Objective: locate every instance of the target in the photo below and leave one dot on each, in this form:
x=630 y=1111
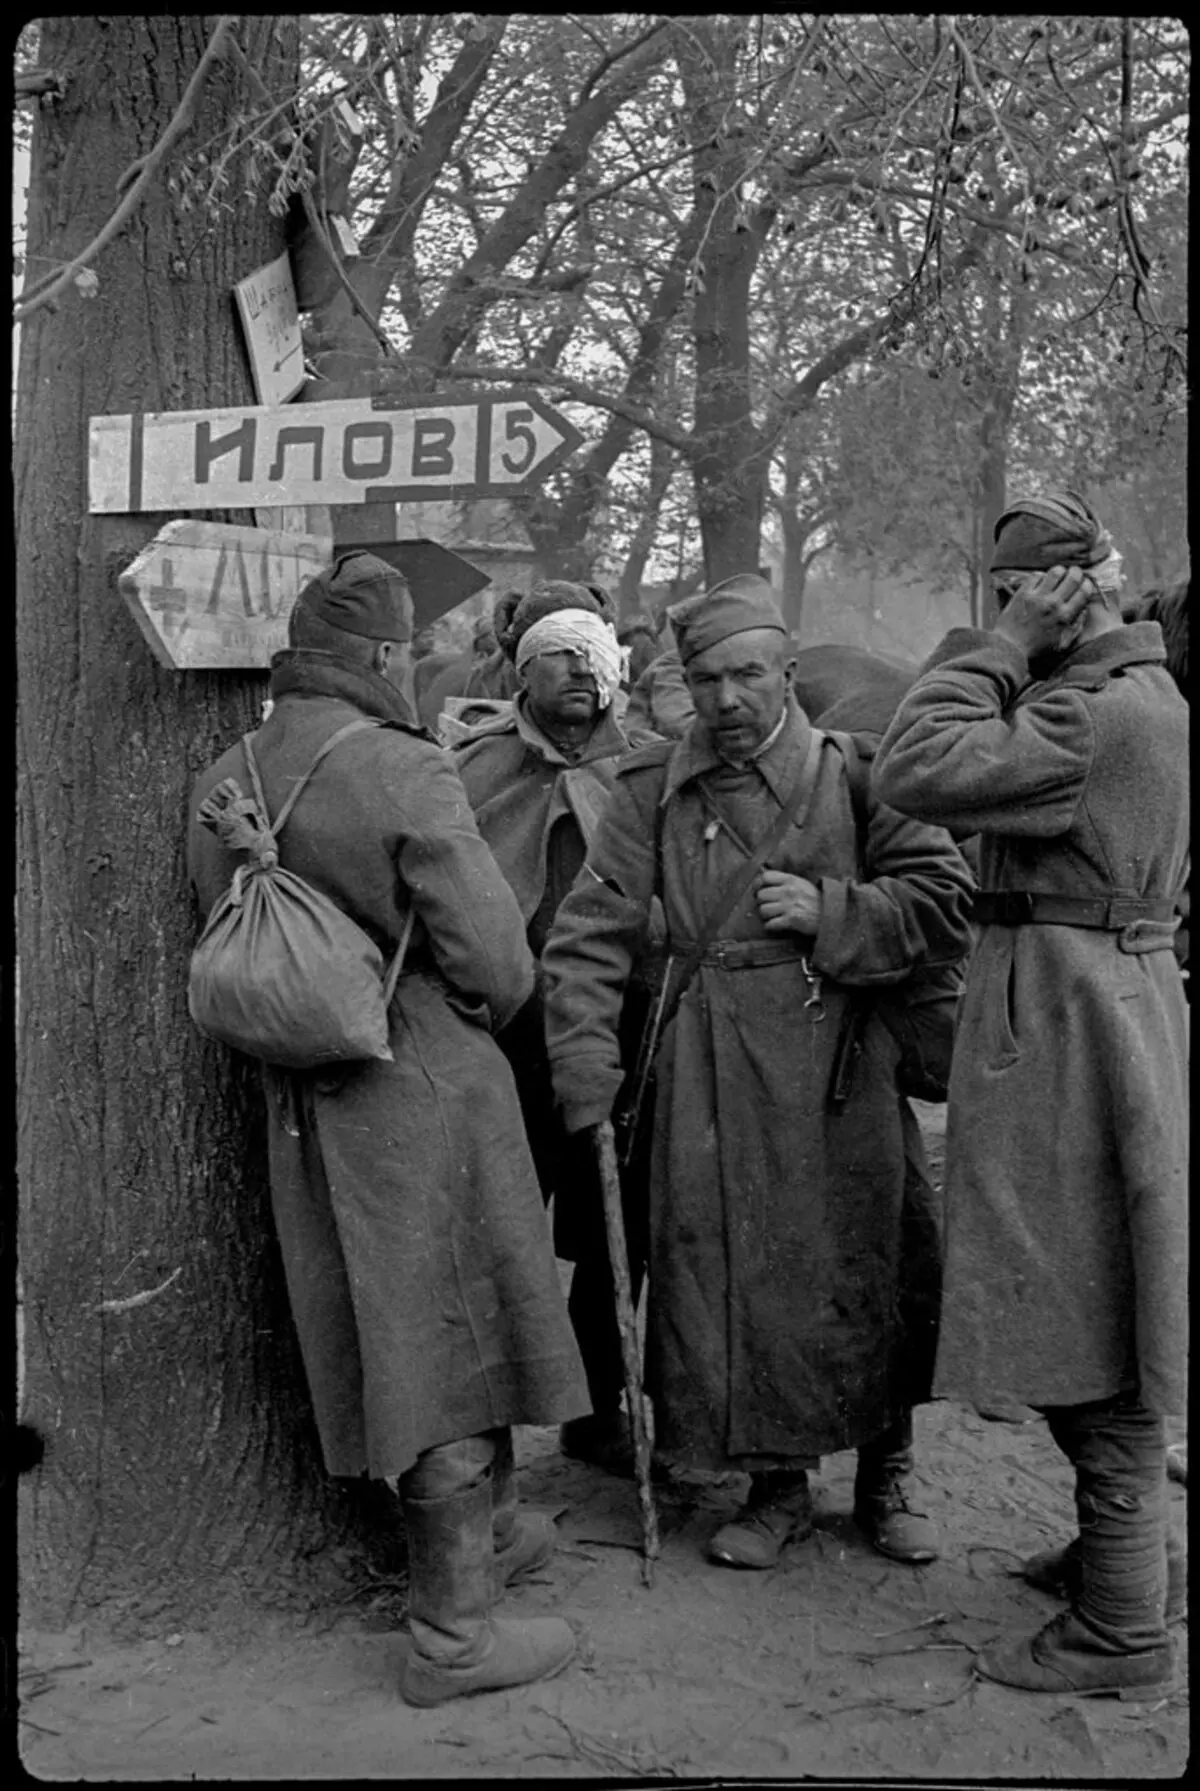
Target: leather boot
x=1068 y=1656
x=1060 y=1572
x=884 y=1494
x=778 y=1511
x=457 y=1649
x=522 y=1540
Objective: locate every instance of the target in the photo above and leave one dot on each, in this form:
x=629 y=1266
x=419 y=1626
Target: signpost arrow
x=210 y=596
x=347 y=451
x=438 y=579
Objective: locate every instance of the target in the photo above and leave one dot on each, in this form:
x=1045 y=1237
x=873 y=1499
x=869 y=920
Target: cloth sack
x=280 y=972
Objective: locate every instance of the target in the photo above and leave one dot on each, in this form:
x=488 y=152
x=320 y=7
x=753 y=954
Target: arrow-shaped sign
x=207 y=595
x=348 y=451
x=210 y=596
x=438 y=579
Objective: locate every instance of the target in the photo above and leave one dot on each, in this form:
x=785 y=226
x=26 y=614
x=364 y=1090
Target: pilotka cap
x=361 y=594
x=1059 y=528
x=736 y=604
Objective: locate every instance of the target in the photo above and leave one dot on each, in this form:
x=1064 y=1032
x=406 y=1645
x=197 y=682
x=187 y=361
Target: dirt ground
x=835 y=1664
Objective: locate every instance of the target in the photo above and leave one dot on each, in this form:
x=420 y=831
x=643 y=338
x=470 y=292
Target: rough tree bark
x=181 y=1460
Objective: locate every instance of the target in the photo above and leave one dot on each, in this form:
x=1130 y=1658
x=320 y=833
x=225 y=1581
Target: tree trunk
x=662 y=469
x=181 y=1458
x=729 y=459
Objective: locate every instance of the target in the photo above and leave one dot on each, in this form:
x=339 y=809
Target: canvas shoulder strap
x=793 y=812
x=280 y=821
x=277 y=825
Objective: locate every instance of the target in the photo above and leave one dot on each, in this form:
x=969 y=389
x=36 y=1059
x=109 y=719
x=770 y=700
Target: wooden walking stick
x=614 y=1224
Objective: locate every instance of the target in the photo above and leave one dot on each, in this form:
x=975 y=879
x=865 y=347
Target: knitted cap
x=361 y=594
x=735 y=605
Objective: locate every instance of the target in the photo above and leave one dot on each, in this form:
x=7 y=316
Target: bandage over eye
x=582 y=632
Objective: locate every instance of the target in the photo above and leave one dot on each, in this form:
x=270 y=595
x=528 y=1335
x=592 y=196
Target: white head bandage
x=1108 y=574
x=579 y=631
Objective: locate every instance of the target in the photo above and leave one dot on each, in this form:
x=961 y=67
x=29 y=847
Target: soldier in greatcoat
x=420 y=1274
x=1060 y=738
x=776 y=1329
x=538 y=779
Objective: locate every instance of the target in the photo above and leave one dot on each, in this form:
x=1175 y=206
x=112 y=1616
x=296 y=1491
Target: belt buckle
x=720 y=959
x=1016 y=908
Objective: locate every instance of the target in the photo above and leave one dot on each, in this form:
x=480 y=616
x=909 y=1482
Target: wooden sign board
x=209 y=596
x=347 y=451
x=266 y=300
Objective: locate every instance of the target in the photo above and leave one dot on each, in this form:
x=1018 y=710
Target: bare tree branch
x=579 y=389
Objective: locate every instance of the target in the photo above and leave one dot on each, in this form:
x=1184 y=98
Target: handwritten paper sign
x=266 y=300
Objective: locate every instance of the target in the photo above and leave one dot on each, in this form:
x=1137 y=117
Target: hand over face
x=1046 y=613
x=788 y=904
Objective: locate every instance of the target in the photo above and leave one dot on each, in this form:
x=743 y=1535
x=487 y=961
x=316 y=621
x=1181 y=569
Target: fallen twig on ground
x=881 y=1635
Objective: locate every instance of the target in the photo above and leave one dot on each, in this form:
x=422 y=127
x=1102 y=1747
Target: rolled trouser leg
x=457 y=1649
x=1114 y=1637
x=1059 y=1571
x=1119 y=1455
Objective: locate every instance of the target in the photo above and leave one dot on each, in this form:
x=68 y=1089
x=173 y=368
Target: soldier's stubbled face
x=561 y=688
x=739 y=687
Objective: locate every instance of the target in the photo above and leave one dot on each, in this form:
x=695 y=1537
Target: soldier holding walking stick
x=537 y=780
x=776 y=1260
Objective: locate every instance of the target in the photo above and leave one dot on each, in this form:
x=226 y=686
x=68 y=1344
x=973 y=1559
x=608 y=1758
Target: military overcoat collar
x=606 y=741
x=780 y=764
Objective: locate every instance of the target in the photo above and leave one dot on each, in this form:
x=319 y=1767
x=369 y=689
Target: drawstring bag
x=280 y=972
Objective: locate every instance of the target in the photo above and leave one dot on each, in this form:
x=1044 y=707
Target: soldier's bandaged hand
x=788 y=904
x=1046 y=610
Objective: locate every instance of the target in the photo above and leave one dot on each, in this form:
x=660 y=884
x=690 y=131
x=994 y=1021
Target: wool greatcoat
x=776 y=1323
x=539 y=810
x=419 y=1266
x=1066 y=1149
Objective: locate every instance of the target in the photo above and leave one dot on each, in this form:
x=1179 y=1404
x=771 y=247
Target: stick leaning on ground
x=614 y=1225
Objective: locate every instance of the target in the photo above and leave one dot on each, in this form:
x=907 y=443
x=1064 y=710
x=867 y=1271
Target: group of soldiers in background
x=764 y=899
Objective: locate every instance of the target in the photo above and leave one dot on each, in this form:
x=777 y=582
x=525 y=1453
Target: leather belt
x=1109 y=914
x=752 y=954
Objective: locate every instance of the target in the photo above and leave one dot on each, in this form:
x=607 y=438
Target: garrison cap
x=361 y=594
x=1059 y=528
x=735 y=605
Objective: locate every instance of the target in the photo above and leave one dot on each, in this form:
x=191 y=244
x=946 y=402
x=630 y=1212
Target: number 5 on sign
x=520 y=438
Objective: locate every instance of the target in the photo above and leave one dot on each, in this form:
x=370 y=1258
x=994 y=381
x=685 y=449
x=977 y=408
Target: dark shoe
x=521 y=1540
x=530 y=1545
x=457 y=1650
x=604 y=1440
x=884 y=1510
x=1059 y=1571
x=764 y=1526
x=1066 y=1657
